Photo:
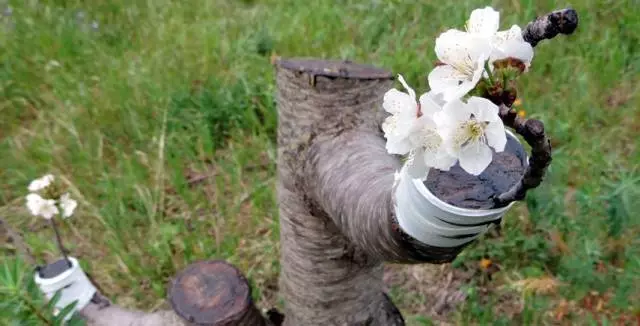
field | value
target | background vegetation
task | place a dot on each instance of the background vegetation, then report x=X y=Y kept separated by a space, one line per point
x=160 y=117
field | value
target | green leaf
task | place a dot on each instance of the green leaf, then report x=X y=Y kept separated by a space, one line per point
x=7 y=275
x=68 y=309
x=52 y=302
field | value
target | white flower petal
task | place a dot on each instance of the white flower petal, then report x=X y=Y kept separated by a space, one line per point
x=396 y=127
x=449 y=143
x=483 y=109
x=440 y=159
x=41 y=183
x=416 y=166
x=68 y=205
x=485 y=21
x=475 y=157
x=422 y=123
x=410 y=90
x=41 y=207
x=450 y=83
x=401 y=147
x=397 y=102
x=445 y=77
x=457 y=111
x=397 y=130
x=512 y=34
x=463 y=89
x=464 y=56
x=511 y=44
x=34 y=201
x=496 y=136
x=49 y=209
x=479 y=68
x=460 y=49
x=522 y=51
x=430 y=103
x=424 y=132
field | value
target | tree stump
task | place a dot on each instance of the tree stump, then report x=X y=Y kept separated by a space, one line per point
x=209 y=293
x=214 y=293
x=337 y=223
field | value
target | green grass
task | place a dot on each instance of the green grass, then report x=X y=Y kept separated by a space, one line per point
x=164 y=92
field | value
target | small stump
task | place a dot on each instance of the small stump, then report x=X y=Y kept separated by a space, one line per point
x=54 y=269
x=214 y=293
x=461 y=189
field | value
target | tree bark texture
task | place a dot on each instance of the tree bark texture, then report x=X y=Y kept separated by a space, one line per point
x=337 y=223
x=208 y=293
x=99 y=312
x=563 y=21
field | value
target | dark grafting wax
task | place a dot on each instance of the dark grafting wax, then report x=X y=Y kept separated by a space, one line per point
x=462 y=189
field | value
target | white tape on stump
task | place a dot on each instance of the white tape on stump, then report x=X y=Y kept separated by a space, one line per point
x=434 y=222
x=74 y=286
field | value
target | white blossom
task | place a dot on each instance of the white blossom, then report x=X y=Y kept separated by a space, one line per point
x=463 y=56
x=41 y=183
x=68 y=205
x=41 y=207
x=427 y=142
x=469 y=130
x=404 y=111
x=485 y=23
x=511 y=44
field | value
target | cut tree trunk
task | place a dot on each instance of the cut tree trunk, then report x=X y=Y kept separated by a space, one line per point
x=337 y=223
x=209 y=293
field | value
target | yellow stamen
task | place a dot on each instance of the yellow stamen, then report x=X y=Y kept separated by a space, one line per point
x=485 y=263
x=517 y=102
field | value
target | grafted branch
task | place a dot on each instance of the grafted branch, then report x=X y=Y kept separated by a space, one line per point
x=533 y=133
x=563 y=21
x=351 y=178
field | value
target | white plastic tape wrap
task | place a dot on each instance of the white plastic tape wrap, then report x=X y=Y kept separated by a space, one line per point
x=434 y=222
x=74 y=284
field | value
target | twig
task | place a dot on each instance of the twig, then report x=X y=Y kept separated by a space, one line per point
x=96 y=284
x=100 y=300
x=19 y=243
x=59 y=241
x=533 y=132
x=563 y=21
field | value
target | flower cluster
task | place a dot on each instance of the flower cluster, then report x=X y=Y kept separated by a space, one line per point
x=457 y=121
x=46 y=200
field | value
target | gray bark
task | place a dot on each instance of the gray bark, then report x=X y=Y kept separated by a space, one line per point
x=533 y=133
x=101 y=313
x=211 y=293
x=563 y=21
x=337 y=223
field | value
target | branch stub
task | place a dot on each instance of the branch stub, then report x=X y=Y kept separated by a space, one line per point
x=210 y=293
x=333 y=68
